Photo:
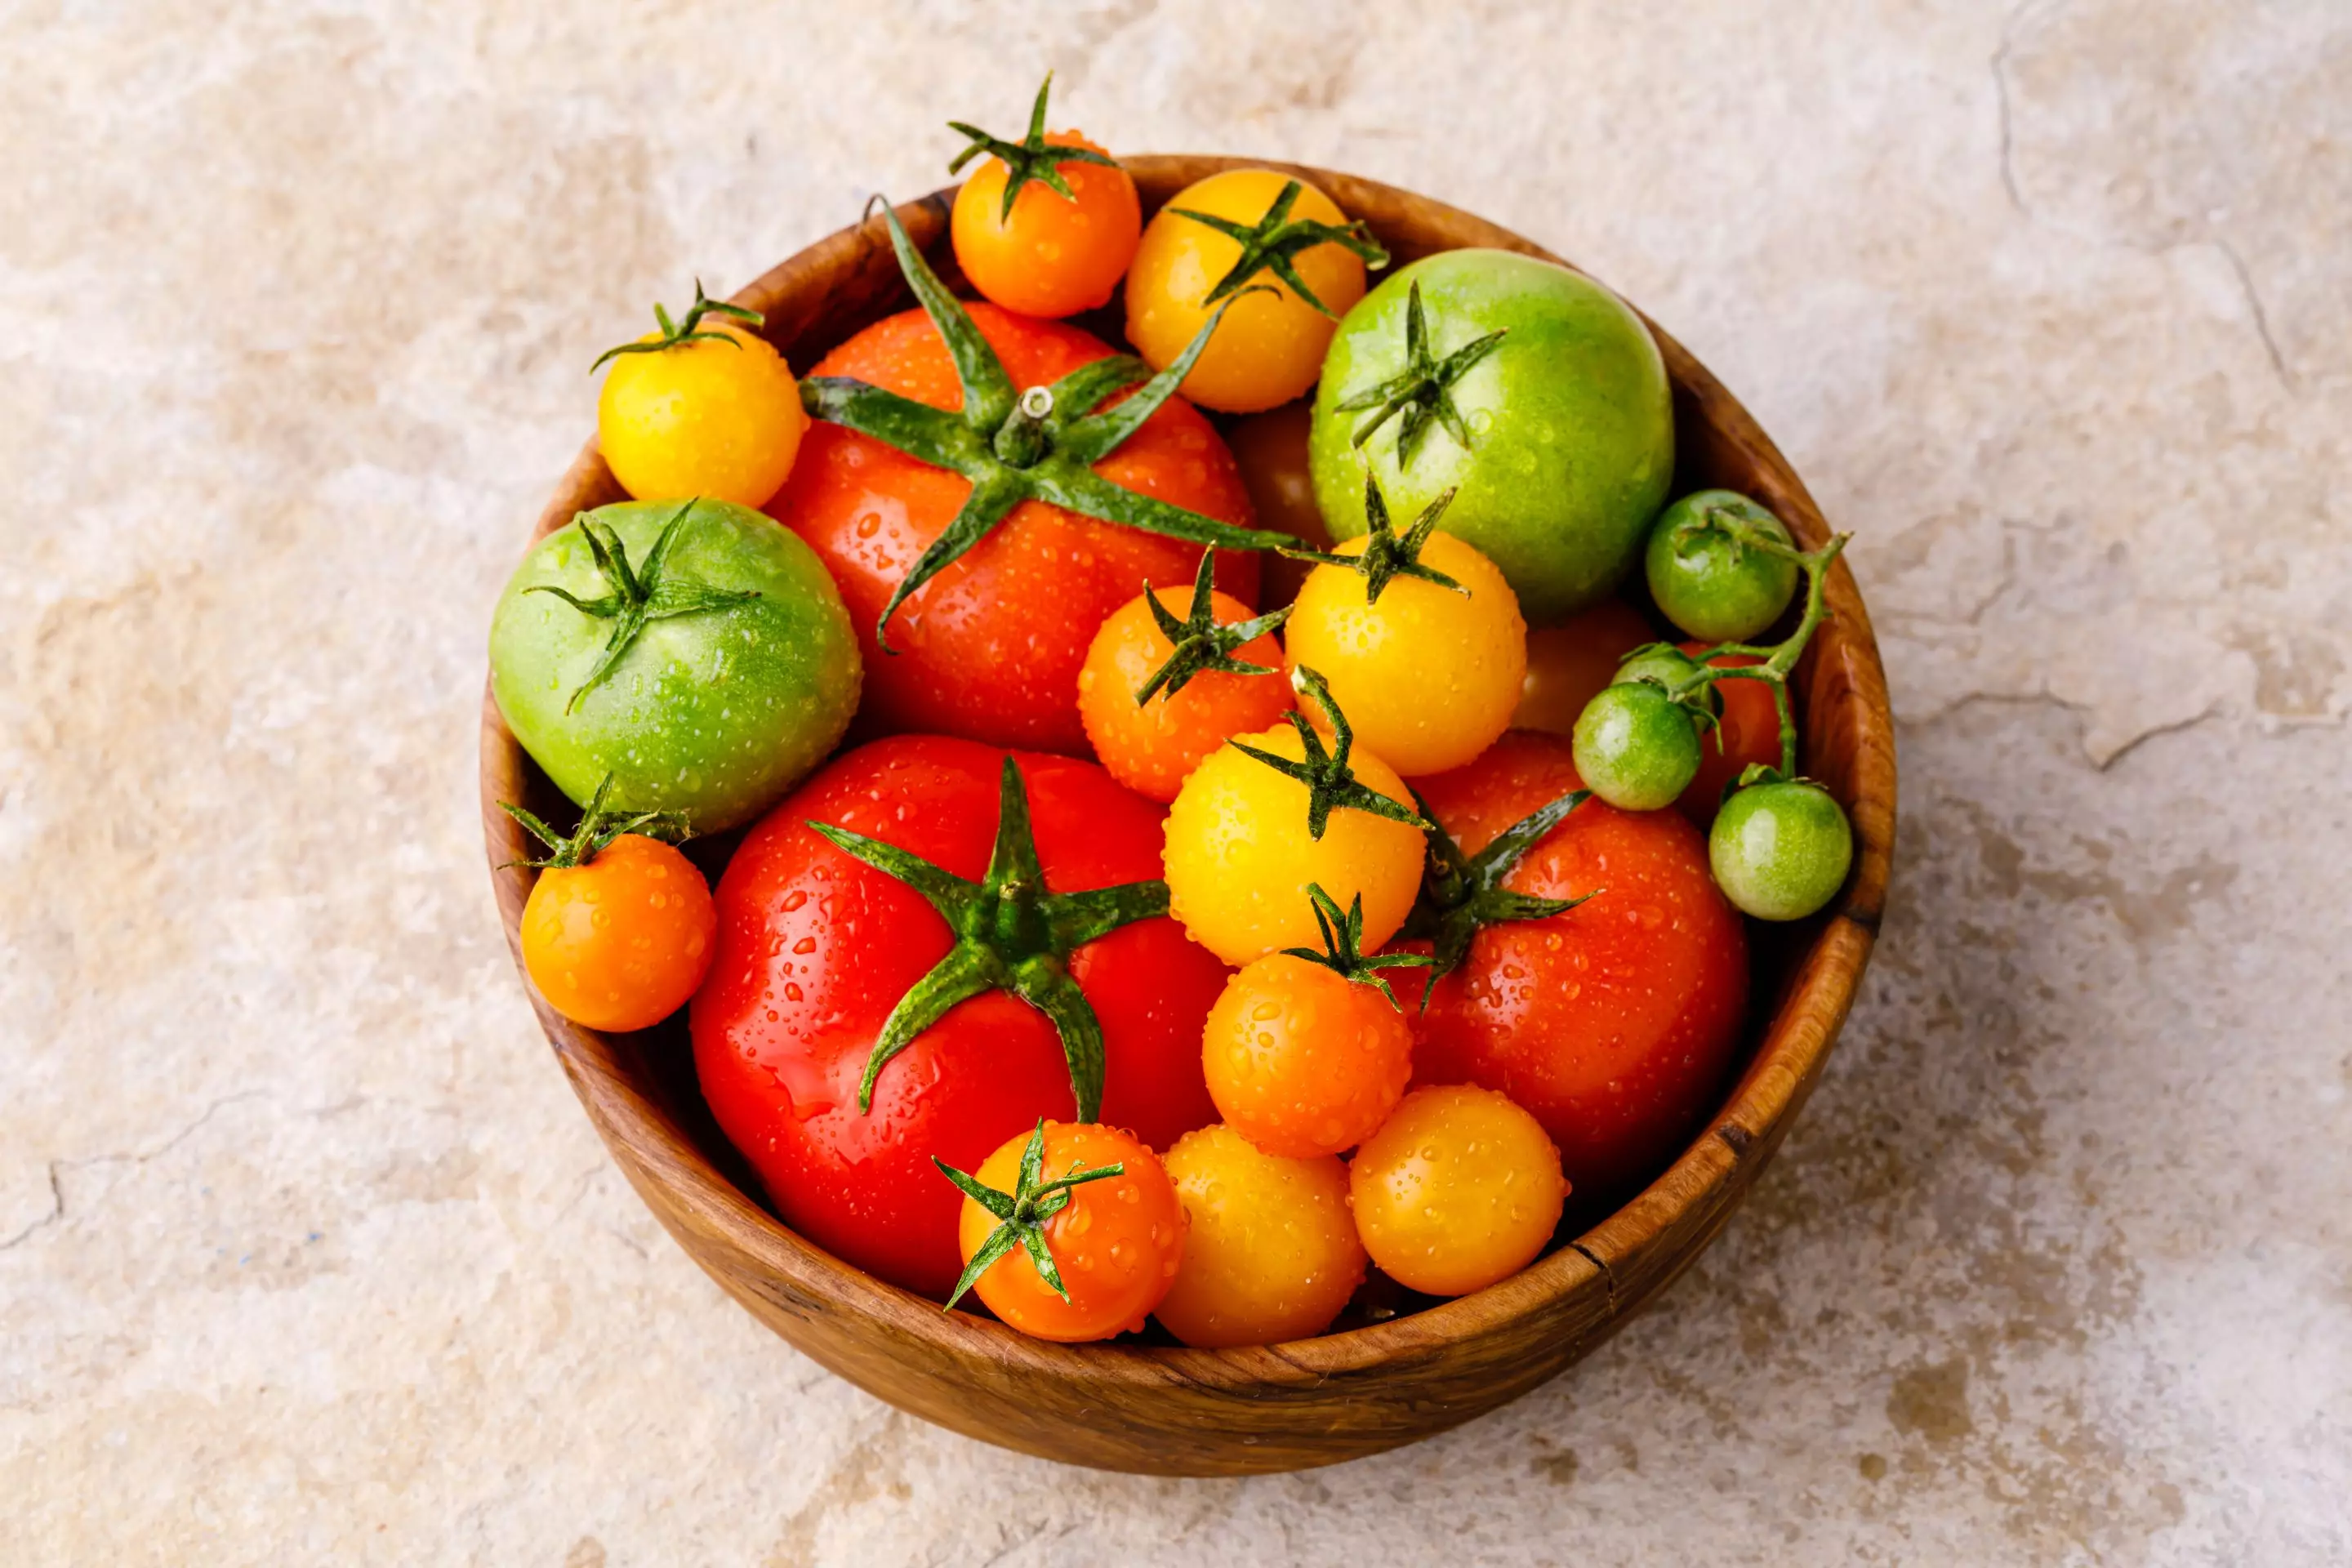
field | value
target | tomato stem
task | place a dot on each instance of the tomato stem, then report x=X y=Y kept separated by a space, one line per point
x=1201 y=644
x=1343 y=946
x=1330 y=784
x=598 y=828
x=1422 y=391
x=1032 y=158
x=1022 y=1213
x=685 y=329
x=1385 y=555
x=1461 y=895
x=1273 y=242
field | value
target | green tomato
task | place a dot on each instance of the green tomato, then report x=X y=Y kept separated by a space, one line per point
x=1560 y=435
x=1780 y=850
x=1710 y=582
x=740 y=680
x=1635 y=748
x=1661 y=663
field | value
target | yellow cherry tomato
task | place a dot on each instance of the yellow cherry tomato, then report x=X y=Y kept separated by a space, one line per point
x=1239 y=857
x=1459 y=1189
x=706 y=417
x=1270 y=1253
x=1270 y=347
x=1428 y=676
x=1302 y=1061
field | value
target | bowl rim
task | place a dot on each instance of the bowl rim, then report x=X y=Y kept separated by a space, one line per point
x=1646 y=1235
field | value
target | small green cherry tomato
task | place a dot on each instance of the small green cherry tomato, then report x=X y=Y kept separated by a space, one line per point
x=1780 y=850
x=1709 y=582
x=1635 y=748
x=1661 y=664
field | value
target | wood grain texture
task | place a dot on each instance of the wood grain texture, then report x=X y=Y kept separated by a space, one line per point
x=1174 y=1410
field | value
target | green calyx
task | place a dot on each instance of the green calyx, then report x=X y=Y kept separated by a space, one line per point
x=1330 y=784
x=687 y=329
x=1273 y=242
x=1021 y=1214
x=1202 y=645
x=1343 y=942
x=1030 y=159
x=1388 y=556
x=1462 y=895
x=1010 y=935
x=598 y=828
x=634 y=597
x=1039 y=445
x=1423 y=391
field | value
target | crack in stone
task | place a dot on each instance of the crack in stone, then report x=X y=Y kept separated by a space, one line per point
x=59 y=1167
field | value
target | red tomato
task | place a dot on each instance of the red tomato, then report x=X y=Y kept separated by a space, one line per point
x=1747 y=731
x=815 y=947
x=1613 y=1023
x=989 y=648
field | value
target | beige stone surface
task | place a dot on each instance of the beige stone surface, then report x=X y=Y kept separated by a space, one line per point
x=306 y=1252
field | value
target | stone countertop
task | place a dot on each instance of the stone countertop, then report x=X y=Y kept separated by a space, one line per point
x=308 y=1254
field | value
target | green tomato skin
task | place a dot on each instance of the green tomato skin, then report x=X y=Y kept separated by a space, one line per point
x=1780 y=851
x=1705 y=582
x=715 y=714
x=1571 y=419
x=1634 y=748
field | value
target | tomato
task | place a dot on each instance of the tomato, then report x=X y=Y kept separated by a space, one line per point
x=1271 y=448
x=1459 y=1190
x=1535 y=393
x=703 y=407
x=817 y=946
x=1420 y=640
x=1720 y=566
x=694 y=653
x=1069 y=1232
x=1164 y=688
x=1270 y=1251
x=1636 y=747
x=617 y=932
x=1569 y=663
x=1614 y=1022
x=1747 y=730
x=1251 y=228
x=990 y=647
x=1243 y=843
x=1042 y=235
x=1780 y=850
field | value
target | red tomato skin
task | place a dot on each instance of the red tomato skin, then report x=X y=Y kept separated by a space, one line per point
x=1747 y=731
x=815 y=948
x=991 y=648
x=1617 y=1037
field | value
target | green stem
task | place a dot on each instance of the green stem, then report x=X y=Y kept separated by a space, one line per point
x=1779 y=659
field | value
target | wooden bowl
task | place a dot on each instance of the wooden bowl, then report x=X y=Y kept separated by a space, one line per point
x=1172 y=1411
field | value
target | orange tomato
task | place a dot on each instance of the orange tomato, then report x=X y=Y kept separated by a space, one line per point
x=1747 y=730
x=620 y=941
x=1302 y=1061
x=1054 y=254
x=1152 y=746
x=1458 y=1190
x=1270 y=1251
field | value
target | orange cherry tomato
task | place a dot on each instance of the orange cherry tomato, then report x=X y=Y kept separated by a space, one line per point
x=1046 y=254
x=620 y=941
x=1302 y=1061
x=1748 y=730
x=1459 y=1189
x=1569 y=663
x=1152 y=746
x=1270 y=1253
x=1116 y=1243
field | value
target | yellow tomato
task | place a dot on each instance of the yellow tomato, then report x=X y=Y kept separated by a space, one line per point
x=1271 y=1253
x=1238 y=856
x=1459 y=1189
x=701 y=418
x=1427 y=675
x=1270 y=347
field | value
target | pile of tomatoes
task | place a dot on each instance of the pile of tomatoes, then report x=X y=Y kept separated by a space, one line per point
x=1223 y=892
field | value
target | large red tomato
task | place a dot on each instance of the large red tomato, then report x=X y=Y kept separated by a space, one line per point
x=991 y=648
x=1614 y=1022
x=815 y=947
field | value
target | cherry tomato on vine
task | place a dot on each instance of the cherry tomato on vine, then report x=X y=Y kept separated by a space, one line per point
x=1780 y=850
x=1271 y=1252
x=1613 y=1022
x=818 y=944
x=1461 y=1188
x=1569 y=664
x=1040 y=234
x=1076 y=1230
x=989 y=647
x=702 y=407
x=1419 y=638
x=1708 y=581
x=1155 y=704
x=1246 y=229
x=1243 y=845
x=1636 y=747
